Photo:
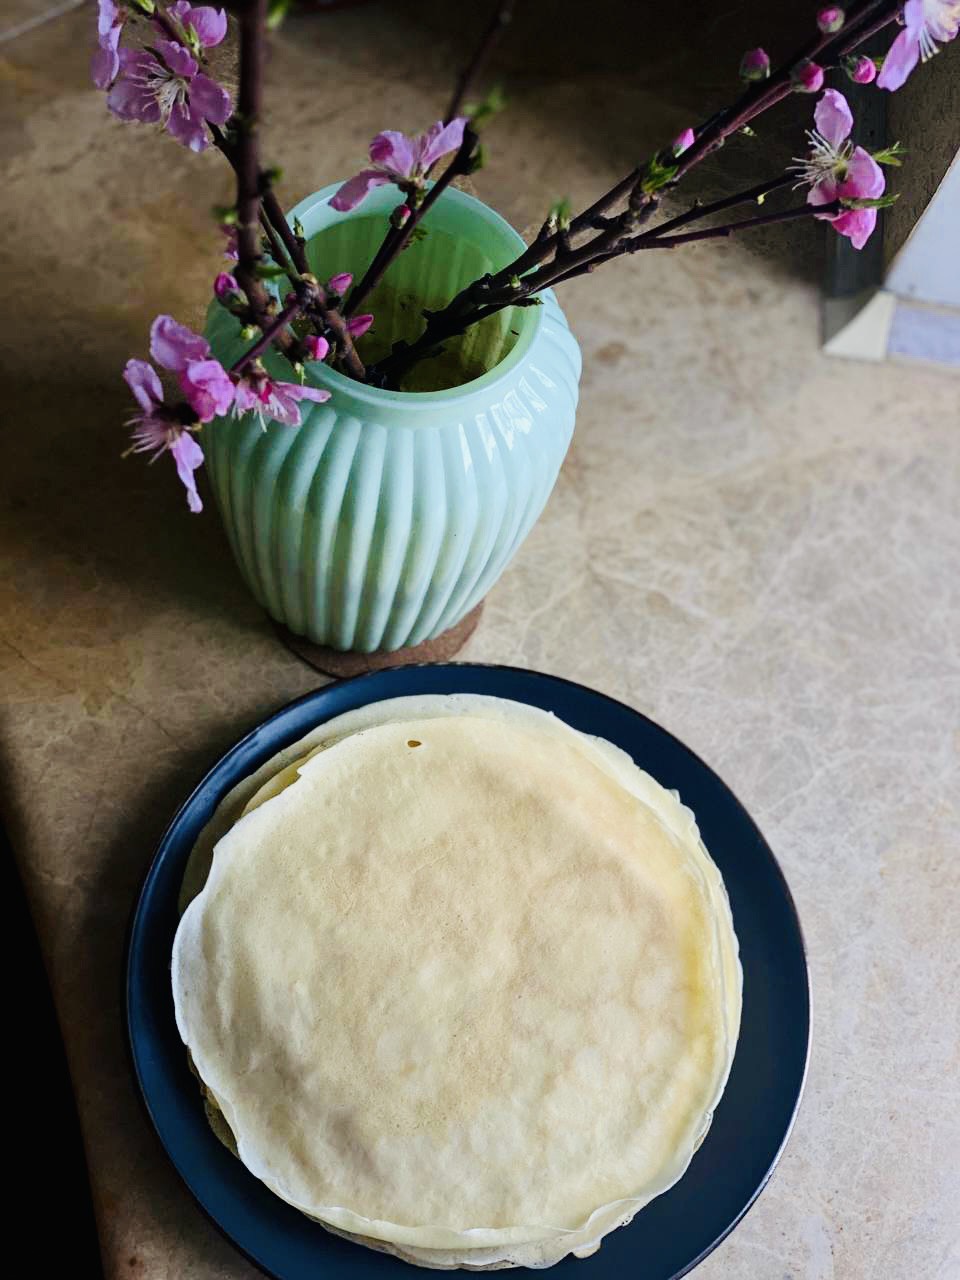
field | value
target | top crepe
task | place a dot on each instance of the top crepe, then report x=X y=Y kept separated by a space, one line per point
x=461 y=981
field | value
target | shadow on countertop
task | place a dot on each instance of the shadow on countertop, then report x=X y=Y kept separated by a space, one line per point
x=43 y=1141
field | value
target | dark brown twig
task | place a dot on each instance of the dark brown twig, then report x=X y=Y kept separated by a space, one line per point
x=500 y=19
x=699 y=211
x=252 y=18
x=269 y=335
x=398 y=238
x=443 y=325
x=269 y=210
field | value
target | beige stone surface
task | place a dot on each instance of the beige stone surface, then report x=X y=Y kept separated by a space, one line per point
x=754 y=545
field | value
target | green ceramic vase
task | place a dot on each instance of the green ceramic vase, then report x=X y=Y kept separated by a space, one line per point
x=387 y=515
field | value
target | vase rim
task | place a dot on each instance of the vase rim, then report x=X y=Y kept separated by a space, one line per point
x=313 y=208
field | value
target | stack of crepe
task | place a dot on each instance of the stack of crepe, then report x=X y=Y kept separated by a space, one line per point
x=459 y=982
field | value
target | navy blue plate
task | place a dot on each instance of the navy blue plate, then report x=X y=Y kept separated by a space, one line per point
x=673 y=1233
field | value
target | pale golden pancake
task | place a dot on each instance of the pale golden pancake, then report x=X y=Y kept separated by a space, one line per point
x=462 y=982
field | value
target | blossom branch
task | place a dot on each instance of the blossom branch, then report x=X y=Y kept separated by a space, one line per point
x=551 y=259
x=398 y=238
x=862 y=22
x=272 y=334
x=252 y=18
x=493 y=33
x=651 y=241
x=279 y=232
x=699 y=210
x=412 y=210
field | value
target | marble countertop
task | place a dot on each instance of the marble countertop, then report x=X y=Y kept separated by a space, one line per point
x=752 y=544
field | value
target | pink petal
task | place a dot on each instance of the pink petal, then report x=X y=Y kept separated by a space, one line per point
x=823 y=192
x=176 y=58
x=209 y=24
x=208 y=388
x=439 y=140
x=317 y=394
x=809 y=78
x=225 y=284
x=283 y=406
x=179 y=11
x=188 y=128
x=317 y=347
x=864 y=177
x=132 y=101
x=210 y=99
x=104 y=66
x=107 y=17
x=359 y=325
x=354 y=190
x=913 y=16
x=245 y=397
x=340 y=283
x=394 y=151
x=683 y=142
x=174 y=345
x=188 y=456
x=134 y=60
x=833 y=117
x=142 y=380
x=856 y=224
x=943 y=24
x=903 y=57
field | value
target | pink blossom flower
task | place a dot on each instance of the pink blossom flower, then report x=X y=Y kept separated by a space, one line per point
x=755 y=65
x=203 y=27
x=358 y=325
x=166 y=86
x=400 y=159
x=807 y=77
x=106 y=60
x=927 y=24
x=835 y=169
x=830 y=19
x=317 y=347
x=258 y=393
x=156 y=430
x=204 y=382
x=683 y=141
x=340 y=283
x=862 y=70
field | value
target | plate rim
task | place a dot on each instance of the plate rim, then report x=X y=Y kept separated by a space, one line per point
x=246 y=741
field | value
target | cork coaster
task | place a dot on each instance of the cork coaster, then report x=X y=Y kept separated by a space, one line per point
x=346 y=662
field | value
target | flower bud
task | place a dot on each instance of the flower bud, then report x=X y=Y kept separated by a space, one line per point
x=830 y=19
x=755 y=65
x=340 y=283
x=683 y=141
x=861 y=70
x=316 y=347
x=359 y=325
x=807 y=77
x=225 y=285
x=400 y=215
